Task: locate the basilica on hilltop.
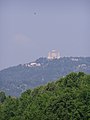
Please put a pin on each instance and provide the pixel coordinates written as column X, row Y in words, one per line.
column 53, row 55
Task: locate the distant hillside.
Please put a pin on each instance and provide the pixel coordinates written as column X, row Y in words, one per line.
column 65, row 99
column 15, row 80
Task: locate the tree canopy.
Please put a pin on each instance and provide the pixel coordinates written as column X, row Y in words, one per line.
column 65, row 99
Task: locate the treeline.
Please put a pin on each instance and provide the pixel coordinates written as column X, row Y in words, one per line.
column 17, row 79
column 65, row 99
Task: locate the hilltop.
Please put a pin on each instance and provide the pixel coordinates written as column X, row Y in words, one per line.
column 15, row 80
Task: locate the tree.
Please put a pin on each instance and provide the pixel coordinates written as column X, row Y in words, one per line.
column 2, row 96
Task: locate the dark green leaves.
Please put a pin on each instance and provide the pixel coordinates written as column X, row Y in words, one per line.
column 65, row 99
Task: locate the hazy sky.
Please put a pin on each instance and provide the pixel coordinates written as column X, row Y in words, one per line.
column 29, row 29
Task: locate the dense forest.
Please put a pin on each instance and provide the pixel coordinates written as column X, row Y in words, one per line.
column 65, row 99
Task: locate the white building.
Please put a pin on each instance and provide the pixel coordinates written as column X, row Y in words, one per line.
column 53, row 55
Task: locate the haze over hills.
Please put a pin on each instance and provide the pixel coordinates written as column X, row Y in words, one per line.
column 31, row 28
column 14, row 80
column 33, row 87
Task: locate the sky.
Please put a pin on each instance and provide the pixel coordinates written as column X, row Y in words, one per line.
column 29, row 29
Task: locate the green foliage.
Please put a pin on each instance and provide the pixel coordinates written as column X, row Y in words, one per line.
column 2, row 96
column 66, row 99
column 16, row 79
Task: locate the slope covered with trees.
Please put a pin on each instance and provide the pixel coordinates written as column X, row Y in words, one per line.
column 65, row 99
column 17, row 79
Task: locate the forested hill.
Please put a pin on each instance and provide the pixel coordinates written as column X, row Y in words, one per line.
column 65, row 99
column 15, row 80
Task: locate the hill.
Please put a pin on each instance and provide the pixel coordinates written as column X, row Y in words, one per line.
column 65, row 99
column 16, row 79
